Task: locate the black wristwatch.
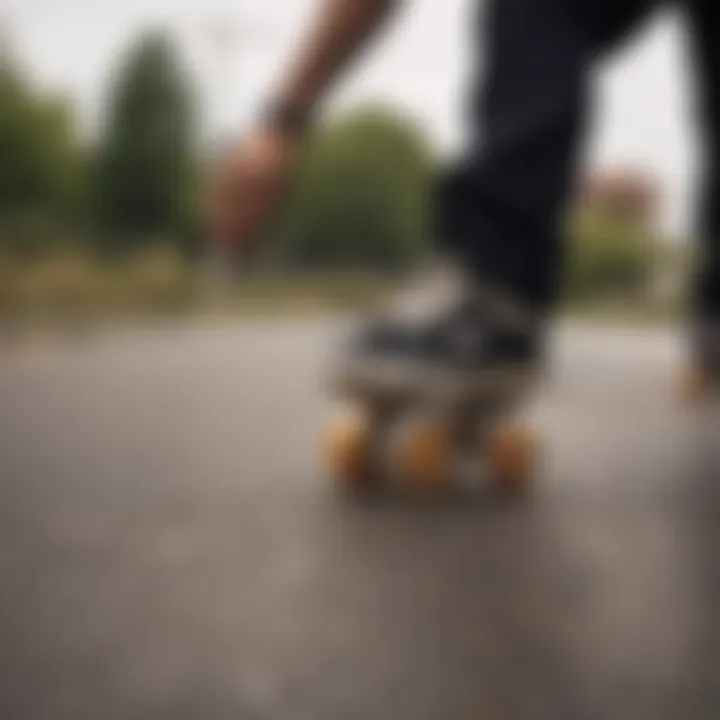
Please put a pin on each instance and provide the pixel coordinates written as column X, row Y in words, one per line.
column 288, row 118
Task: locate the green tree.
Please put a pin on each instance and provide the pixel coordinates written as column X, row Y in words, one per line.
column 41, row 169
column 147, row 158
column 361, row 197
column 612, row 256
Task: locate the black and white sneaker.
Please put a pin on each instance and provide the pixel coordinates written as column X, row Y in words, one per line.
column 448, row 337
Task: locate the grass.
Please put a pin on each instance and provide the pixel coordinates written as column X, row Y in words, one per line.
column 71, row 288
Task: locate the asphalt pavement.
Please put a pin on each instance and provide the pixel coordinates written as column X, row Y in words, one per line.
column 170, row 546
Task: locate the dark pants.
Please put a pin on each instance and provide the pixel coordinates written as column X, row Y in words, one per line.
column 503, row 209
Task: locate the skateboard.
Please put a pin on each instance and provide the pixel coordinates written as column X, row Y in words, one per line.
column 429, row 439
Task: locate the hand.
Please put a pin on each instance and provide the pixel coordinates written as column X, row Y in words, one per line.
column 247, row 190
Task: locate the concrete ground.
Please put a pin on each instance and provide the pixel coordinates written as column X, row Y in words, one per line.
column 170, row 547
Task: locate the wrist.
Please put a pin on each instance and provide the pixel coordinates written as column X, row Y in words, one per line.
column 289, row 119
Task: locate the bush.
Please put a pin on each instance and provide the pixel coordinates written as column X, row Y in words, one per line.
column 610, row 257
column 158, row 280
column 8, row 283
column 62, row 284
column 361, row 196
column 79, row 284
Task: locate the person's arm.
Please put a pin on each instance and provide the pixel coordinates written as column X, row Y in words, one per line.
column 343, row 28
column 251, row 183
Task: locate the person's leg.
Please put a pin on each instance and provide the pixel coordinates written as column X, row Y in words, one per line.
column 501, row 213
column 705, row 324
column 502, row 210
column 705, row 28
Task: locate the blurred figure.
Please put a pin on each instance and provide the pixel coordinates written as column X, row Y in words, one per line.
column 500, row 213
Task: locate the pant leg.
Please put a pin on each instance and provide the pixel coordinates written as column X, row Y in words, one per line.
column 705, row 31
column 502, row 210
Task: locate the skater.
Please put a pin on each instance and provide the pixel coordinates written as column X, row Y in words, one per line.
column 500, row 212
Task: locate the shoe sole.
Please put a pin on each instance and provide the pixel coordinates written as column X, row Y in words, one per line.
column 408, row 381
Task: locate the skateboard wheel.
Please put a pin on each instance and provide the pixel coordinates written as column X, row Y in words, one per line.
column 694, row 386
column 511, row 455
column 424, row 458
column 348, row 451
column 690, row 386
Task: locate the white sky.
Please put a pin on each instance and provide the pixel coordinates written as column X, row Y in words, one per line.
column 236, row 47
